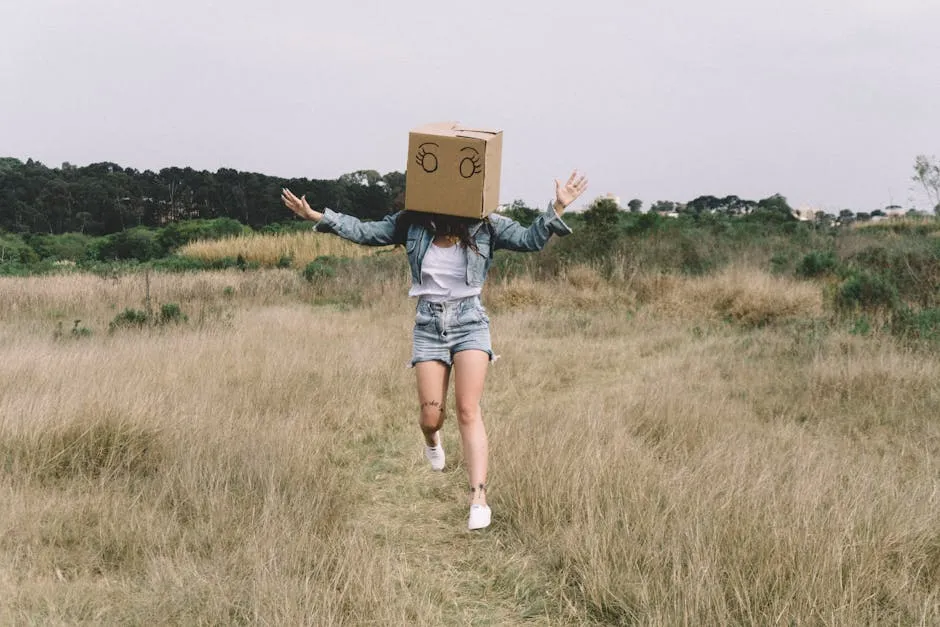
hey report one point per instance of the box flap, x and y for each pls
(482, 135)
(476, 133)
(453, 129)
(437, 128)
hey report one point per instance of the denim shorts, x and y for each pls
(442, 329)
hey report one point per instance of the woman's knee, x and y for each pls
(468, 412)
(432, 414)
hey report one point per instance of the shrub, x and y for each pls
(641, 223)
(171, 312)
(129, 318)
(862, 326)
(137, 318)
(911, 265)
(78, 331)
(75, 332)
(67, 246)
(9, 268)
(917, 325)
(138, 243)
(323, 267)
(175, 263)
(867, 291)
(14, 249)
(177, 234)
(779, 263)
(816, 263)
(293, 226)
(693, 257)
(521, 213)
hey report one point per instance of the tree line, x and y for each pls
(104, 198)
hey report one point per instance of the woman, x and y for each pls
(449, 259)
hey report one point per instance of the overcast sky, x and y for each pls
(824, 101)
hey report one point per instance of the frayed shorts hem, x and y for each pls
(448, 360)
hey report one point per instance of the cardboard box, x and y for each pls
(453, 170)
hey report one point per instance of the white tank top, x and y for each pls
(444, 275)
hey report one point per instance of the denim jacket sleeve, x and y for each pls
(511, 235)
(378, 233)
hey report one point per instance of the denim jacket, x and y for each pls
(502, 233)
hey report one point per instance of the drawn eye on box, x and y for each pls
(471, 163)
(426, 157)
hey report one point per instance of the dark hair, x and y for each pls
(437, 224)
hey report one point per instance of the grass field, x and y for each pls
(664, 451)
(296, 249)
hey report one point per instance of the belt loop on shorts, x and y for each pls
(454, 305)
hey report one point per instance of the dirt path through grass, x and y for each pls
(473, 578)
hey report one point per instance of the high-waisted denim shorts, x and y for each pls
(442, 329)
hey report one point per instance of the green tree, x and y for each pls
(927, 173)
(395, 181)
(774, 208)
(138, 243)
(521, 213)
(663, 206)
(821, 218)
(728, 206)
(602, 215)
(635, 205)
(8, 164)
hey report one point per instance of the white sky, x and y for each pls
(827, 102)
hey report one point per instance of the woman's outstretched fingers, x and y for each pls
(574, 187)
(299, 205)
(288, 198)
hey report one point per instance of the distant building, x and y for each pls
(805, 214)
(894, 211)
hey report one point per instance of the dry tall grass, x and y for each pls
(929, 223)
(658, 457)
(269, 249)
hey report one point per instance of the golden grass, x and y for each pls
(656, 459)
(268, 249)
(743, 295)
(579, 287)
(900, 224)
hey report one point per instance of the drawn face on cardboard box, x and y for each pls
(453, 170)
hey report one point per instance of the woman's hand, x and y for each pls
(569, 192)
(299, 206)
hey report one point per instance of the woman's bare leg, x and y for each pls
(469, 374)
(432, 379)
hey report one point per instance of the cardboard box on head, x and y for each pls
(453, 170)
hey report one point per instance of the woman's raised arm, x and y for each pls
(378, 233)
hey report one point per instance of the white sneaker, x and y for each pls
(435, 454)
(480, 516)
